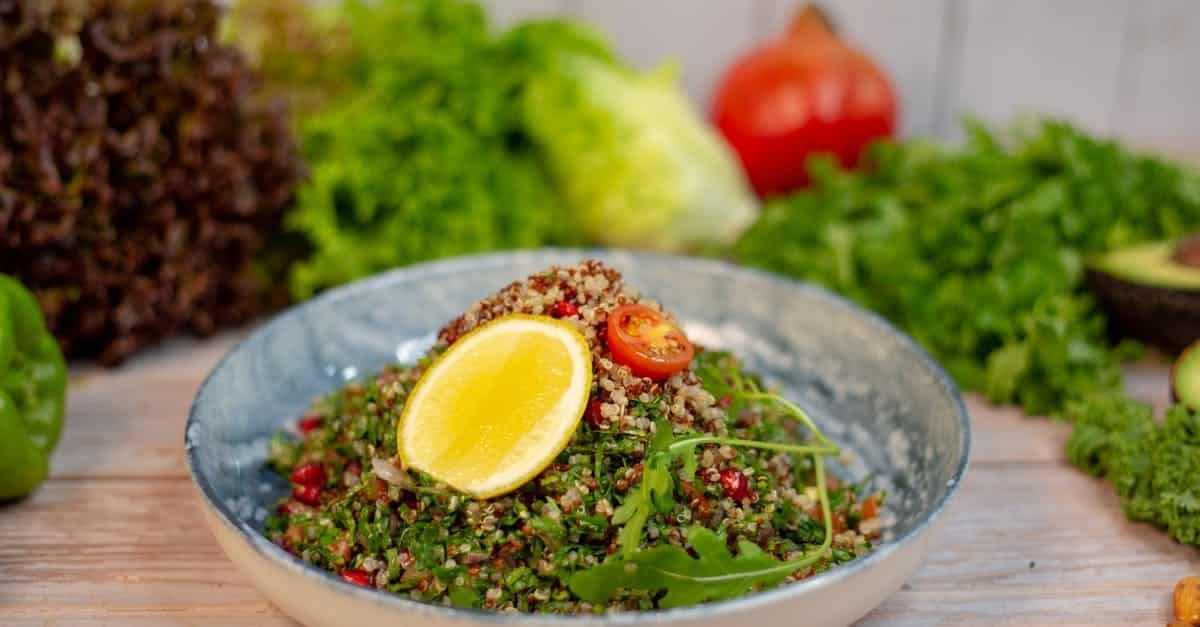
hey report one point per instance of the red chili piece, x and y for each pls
(307, 494)
(357, 577)
(736, 485)
(564, 309)
(310, 474)
(308, 424)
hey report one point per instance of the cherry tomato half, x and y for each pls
(646, 341)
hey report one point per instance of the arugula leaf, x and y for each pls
(713, 574)
(655, 492)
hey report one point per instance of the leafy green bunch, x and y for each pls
(979, 251)
(423, 155)
(1154, 467)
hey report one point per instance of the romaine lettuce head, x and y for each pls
(637, 167)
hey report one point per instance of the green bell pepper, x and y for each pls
(33, 390)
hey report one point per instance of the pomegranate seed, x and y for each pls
(309, 424)
(311, 474)
(564, 309)
(725, 401)
(357, 577)
(594, 416)
(736, 485)
(307, 494)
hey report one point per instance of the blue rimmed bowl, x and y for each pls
(871, 388)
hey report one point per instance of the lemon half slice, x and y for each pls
(498, 406)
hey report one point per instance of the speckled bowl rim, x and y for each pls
(454, 265)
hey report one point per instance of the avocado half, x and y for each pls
(1185, 377)
(1151, 291)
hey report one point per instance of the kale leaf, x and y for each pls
(1154, 468)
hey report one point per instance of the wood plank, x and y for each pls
(127, 552)
(904, 37)
(703, 39)
(1058, 58)
(1041, 545)
(128, 422)
(1159, 94)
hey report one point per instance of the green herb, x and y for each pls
(655, 492)
(1154, 468)
(714, 573)
(978, 252)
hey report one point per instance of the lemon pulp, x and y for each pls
(498, 406)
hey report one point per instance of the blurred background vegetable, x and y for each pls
(979, 251)
(636, 166)
(140, 174)
(33, 392)
(805, 93)
(425, 155)
(446, 139)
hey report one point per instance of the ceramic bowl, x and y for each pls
(871, 388)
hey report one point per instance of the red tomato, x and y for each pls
(804, 93)
(646, 341)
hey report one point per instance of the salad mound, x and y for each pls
(684, 481)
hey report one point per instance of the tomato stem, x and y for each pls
(812, 20)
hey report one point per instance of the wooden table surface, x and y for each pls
(115, 536)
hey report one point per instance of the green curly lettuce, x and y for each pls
(424, 154)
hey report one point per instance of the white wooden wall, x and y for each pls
(1129, 68)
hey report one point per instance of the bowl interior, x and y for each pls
(869, 387)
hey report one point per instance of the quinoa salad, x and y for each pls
(703, 472)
